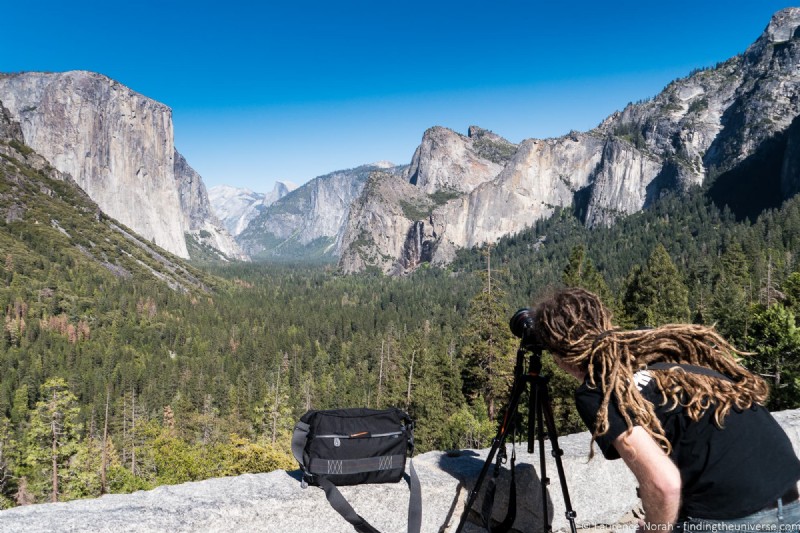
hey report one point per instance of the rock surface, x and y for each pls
(389, 207)
(603, 493)
(29, 188)
(448, 161)
(9, 128)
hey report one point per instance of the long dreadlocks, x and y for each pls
(576, 326)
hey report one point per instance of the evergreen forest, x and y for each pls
(113, 380)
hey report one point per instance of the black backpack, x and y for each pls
(354, 447)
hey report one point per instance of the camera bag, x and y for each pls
(357, 446)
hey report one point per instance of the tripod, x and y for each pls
(540, 413)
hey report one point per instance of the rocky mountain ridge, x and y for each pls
(727, 128)
(236, 207)
(308, 222)
(730, 128)
(118, 145)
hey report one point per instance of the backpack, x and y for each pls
(357, 446)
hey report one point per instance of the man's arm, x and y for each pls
(658, 477)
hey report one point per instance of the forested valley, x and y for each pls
(116, 383)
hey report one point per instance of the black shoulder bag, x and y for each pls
(353, 447)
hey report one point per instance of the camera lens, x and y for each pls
(521, 323)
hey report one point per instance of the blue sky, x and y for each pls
(266, 91)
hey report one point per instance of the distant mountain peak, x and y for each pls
(236, 207)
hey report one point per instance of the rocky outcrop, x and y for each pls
(309, 221)
(237, 207)
(716, 124)
(542, 175)
(448, 161)
(13, 149)
(395, 213)
(202, 224)
(626, 178)
(10, 130)
(117, 144)
(716, 118)
(602, 493)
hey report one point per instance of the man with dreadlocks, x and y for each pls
(686, 418)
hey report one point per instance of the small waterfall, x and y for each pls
(416, 249)
(419, 227)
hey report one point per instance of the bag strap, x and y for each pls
(299, 438)
(414, 501)
(343, 507)
(491, 488)
(694, 369)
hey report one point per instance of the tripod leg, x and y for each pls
(547, 410)
(538, 415)
(499, 440)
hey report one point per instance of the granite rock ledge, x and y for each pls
(603, 494)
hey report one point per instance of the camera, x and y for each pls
(521, 325)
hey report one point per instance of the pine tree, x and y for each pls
(6, 467)
(775, 337)
(489, 350)
(791, 288)
(581, 272)
(19, 407)
(730, 303)
(436, 390)
(53, 437)
(656, 294)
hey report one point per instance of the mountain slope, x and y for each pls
(204, 229)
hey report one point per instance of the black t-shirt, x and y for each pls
(725, 473)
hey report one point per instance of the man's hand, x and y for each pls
(658, 477)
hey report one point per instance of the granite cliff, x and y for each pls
(448, 161)
(727, 128)
(118, 145)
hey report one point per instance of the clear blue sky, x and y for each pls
(263, 91)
